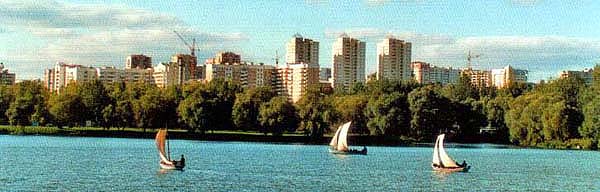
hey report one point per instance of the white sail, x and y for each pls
(343, 139)
(446, 160)
(436, 153)
(334, 140)
(160, 139)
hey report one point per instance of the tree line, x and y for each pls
(562, 112)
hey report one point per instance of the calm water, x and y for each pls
(40, 163)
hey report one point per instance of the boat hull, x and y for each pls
(351, 152)
(451, 169)
(174, 166)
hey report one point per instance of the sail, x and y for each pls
(160, 139)
(343, 138)
(446, 160)
(436, 153)
(334, 140)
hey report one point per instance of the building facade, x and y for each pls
(426, 73)
(302, 50)
(348, 62)
(325, 74)
(6, 78)
(586, 74)
(186, 66)
(394, 59)
(293, 80)
(502, 78)
(479, 78)
(225, 58)
(138, 61)
(246, 74)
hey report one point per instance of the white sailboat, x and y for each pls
(339, 142)
(441, 160)
(165, 158)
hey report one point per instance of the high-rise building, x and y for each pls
(246, 74)
(114, 75)
(348, 62)
(325, 74)
(502, 78)
(425, 73)
(6, 78)
(138, 61)
(394, 59)
(302, 50)
(479, 78)
(186, 66)
(293, 80)
(225, 58)
(587, 75)
(165, 74)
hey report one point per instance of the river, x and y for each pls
(45, 163)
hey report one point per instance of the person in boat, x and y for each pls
(182, 160)
(364, 149)
(463, 164)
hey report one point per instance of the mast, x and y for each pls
(168, 146)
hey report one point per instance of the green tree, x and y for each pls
(246, 107)
(315, 113)
(389, 115)
(6, 97)
(94, 98)
(351, 108)
(66, 109)
(278, 116)
(429, 112)
(28, 104)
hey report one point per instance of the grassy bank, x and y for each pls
(220, 135)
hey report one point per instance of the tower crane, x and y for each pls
(470, 58)
(191, 47)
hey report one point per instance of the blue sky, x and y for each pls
(542, 36)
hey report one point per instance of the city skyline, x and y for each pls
(544, 37)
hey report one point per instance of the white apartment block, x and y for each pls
(348, 62)
(394, 59)
(502, 78)
(293, 80)
(426, 73)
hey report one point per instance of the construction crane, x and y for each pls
(470, 58)
(191, 47)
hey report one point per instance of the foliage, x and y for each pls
(246, 107)
(278, 116)
(389, 115)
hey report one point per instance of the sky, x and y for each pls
(542, 36)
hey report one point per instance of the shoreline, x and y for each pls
(235, 136)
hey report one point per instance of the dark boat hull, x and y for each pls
(350, 152)
(451, 169)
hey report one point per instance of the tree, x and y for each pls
(6, 97)
(429, 112)
(389, 115)
(591, 125)
(351, 108)
(94, 98)
(277, 116)
(246, 107)
(315, 113)
(28, 104)
(197, 113)
(66, 109)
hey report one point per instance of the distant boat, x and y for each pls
(165, 158)
(339, 142)
(442, 162)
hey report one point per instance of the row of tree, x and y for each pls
(559, 111)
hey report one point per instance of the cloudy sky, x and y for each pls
(542, 36)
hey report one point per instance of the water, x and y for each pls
(40, 163)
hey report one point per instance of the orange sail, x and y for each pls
(161, 137)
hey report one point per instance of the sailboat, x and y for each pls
(442, 162)
(165, 158)
(339, 142)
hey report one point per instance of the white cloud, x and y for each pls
(99, 35)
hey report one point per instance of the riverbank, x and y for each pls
(208, 136)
